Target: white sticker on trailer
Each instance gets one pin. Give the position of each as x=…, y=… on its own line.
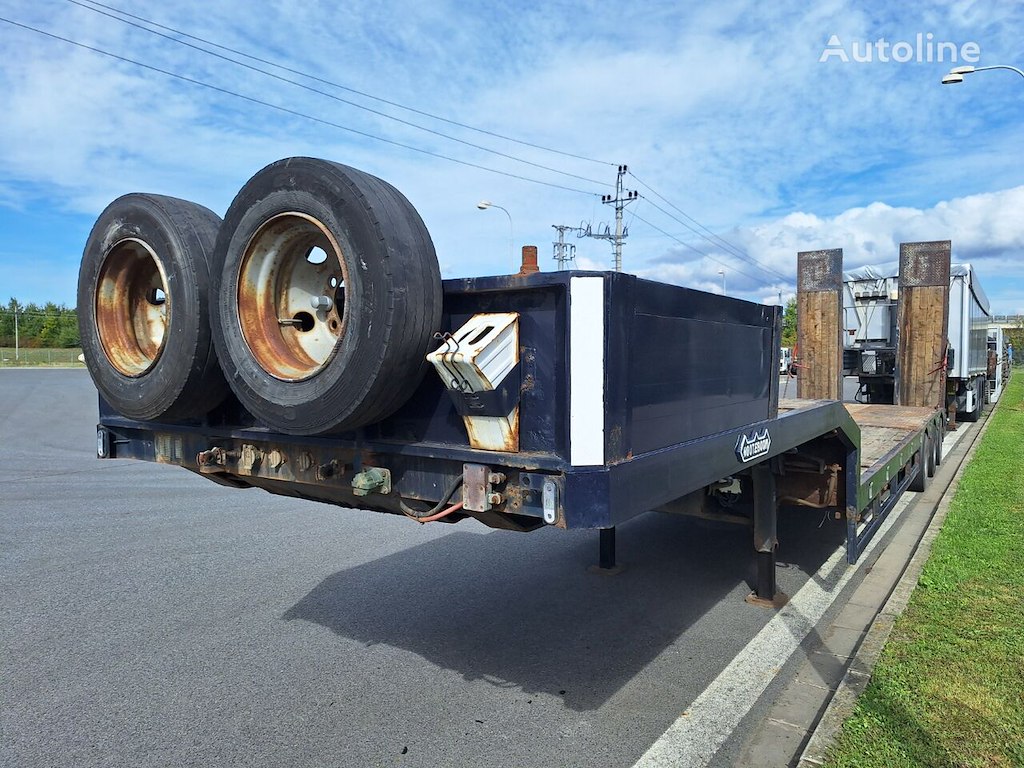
x=586, y=371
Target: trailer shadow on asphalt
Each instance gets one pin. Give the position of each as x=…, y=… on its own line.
x=522, y=611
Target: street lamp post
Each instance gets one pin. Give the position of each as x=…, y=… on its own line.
x=483, y=205
x=722, y=273
x=16, y=345
x=956, y=74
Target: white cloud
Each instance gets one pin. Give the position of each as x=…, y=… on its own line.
x=723, y=108
x=985, y=229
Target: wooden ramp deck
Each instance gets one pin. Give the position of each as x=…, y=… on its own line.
x=883, y=428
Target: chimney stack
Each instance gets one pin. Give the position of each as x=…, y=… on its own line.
x=529, y=260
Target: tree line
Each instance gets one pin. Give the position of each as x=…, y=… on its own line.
x=48, y=325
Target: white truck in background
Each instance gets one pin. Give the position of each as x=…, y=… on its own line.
x=998, y=362
x=786, y=361
x=870, y=304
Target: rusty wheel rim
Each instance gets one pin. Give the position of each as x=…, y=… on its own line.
x=291, y=296
x=132, y=307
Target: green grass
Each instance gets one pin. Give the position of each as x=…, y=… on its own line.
x=949, y=687
x=29, y=356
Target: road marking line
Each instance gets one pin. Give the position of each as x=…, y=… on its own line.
x=694, y=738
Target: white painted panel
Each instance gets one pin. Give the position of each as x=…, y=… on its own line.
x=586, y=371
x=958, y=331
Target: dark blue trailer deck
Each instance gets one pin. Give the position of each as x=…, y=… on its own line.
x=628, y=395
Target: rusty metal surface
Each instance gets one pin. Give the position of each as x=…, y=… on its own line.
x=476, y=488
x=510, y=501
x=168, y=449
x=479, y=365
x=494, y=433
x=290, y=303
x=819, y=270
x=925, y=263
x=811, y=488
x=132, y=307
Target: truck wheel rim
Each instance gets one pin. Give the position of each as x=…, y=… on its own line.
x=291, y=296
x=132, y=307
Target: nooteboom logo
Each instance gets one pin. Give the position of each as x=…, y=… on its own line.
x=754, y=445
x=924, y=48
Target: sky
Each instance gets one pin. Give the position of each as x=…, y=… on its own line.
x=750, y=130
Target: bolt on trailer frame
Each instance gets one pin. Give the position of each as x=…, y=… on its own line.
x=578, y=400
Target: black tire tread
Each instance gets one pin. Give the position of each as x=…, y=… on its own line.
x=922, y=480
x=186, y=382
x=406, y=291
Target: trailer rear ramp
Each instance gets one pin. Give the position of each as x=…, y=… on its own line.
x=898, y=448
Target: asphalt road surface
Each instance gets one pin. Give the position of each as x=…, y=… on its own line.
x=149, y=617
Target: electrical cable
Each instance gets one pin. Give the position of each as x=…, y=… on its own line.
x=716, y=239
x=421, y=516
x=339, y=99
x=685, y=244
x=439, y=515
x=364, y=94
x=713, y=239
x=292, y=112
x=744, y=257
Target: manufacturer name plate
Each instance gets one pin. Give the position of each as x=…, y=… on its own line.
x=753, y=445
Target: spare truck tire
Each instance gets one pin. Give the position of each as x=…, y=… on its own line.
x=143, y=308
x=327, y=293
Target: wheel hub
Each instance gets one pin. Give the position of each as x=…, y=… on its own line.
x=291, y=296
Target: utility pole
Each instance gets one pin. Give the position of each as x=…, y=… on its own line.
x=564, y=252
x=16, y=346
x=620, y=200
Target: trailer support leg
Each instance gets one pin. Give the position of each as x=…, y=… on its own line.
x=606, y=546
x=765, y=576
x=606, y=564
x=765, y=541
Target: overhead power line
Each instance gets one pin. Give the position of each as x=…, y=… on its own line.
x=332, y=96
x=696, y=250
x=722, y=242
x=323, y=81
x=293, y=112
x=740, y=255
x=700, y=230
x=696, y=227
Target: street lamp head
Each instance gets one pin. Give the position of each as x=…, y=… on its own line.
x=483, y=205
x=956, y=74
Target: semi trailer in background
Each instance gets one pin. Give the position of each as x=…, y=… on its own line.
x=871, y=302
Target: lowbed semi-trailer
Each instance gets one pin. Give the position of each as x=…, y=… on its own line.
x=307, y=346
